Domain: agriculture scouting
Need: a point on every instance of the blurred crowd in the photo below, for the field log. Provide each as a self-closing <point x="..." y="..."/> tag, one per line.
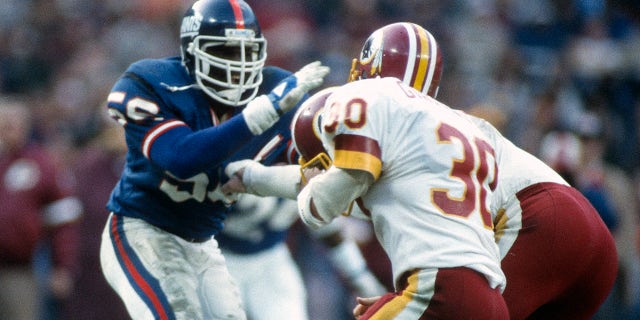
<point x="561" y="79"/>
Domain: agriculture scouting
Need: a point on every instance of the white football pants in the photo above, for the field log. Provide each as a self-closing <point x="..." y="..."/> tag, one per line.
<point x="159" y="275"/>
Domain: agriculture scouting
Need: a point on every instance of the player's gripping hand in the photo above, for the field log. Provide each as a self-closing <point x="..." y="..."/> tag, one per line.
<point x="363" y="305"/>
<point x="262" y="112"/>
<point x="291" y="90"/>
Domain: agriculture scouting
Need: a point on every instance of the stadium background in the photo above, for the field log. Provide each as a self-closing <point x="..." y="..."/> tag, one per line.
<point x="534" y="68"/>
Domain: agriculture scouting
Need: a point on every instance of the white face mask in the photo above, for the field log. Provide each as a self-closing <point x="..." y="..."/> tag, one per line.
<point x="237" y="78"/>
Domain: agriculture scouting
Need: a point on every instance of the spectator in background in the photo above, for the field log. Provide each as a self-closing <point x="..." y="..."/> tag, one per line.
<point x="579" y="156"/>
<point x="36" y="208"/>
<point x="598" y="66"/>
<point x="563" y="151"/>
<point x="97" y="166"/>
<point x="601" y="180"/>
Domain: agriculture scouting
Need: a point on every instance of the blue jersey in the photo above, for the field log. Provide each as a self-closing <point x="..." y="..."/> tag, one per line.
<point x="178" y="147"/>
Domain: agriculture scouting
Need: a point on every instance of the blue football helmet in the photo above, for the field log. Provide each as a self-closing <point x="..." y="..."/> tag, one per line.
<point x="223" y="48"/>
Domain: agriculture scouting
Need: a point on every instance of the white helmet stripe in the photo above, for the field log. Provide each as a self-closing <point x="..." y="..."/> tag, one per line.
<point x="411" y="58"/>
<point x="433" y="47"/>
<point x="420" y="74"/>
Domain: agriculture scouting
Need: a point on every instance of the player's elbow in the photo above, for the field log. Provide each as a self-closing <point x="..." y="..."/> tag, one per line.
<point x="179" y="168"/>
<point x="176" y="162"/>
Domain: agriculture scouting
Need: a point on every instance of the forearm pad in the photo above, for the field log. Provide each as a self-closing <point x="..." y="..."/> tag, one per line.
<point x="275" y="181"/>
<point x="260" y="115"/>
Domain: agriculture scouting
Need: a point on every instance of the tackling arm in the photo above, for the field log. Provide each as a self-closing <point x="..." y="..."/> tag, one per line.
<point x="250" y="176"/>
<point x="284" y="181"/>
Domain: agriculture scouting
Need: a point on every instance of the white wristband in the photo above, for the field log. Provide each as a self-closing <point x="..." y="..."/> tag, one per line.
<point x="260" y="114"/>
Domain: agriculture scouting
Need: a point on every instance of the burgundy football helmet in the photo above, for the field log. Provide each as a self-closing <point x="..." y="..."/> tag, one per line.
<point x="402" y="50"/>
<point x="305" y="131"/>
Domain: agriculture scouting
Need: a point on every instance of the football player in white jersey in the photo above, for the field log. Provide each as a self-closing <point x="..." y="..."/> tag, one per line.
<point x="558" y="256"/>
<point x="424" y="175"/>
<point x="559" y="260"/>
<point x="425" y="185"/>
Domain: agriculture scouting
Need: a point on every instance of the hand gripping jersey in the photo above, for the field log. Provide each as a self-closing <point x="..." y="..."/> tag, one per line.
<point x="434" y="173"/>
<point x="157" y="104"/>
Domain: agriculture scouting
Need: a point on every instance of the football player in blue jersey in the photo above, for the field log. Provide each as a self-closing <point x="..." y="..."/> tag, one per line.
<point x="253" y="243"/>
<point x="185" y="118"/>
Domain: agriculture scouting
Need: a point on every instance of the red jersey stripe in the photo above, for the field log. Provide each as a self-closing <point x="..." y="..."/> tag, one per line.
<point x="352" y="142"/>
<point x="358" y="152"/>
<point x="155" y="132"/>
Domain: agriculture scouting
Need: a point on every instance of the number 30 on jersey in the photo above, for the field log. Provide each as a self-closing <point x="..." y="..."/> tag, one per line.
<point x="465" y="170"/>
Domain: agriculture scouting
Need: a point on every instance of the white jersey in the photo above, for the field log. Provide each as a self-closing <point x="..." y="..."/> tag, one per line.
<point x="517" y="170"/>
<point x="434" y="171"/>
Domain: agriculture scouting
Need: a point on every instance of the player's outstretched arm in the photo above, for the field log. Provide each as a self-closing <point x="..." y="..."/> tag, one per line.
<point x="261" y="113"/>
<point x="178" y="149"/>
<point x="250" y="176"/>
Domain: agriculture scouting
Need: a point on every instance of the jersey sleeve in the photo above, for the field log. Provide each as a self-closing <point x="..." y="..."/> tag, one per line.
<point x="358" y="152"/>
<point x="351" y="130"/>
<point x="156" y="130"/>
